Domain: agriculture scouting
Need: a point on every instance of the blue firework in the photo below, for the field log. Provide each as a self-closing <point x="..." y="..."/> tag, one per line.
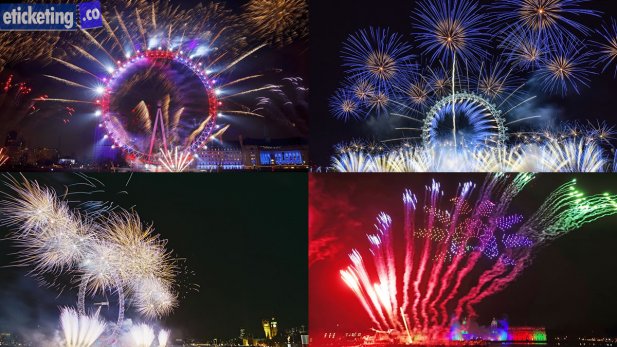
<point x="524" y="49"/>
<point x="344" y="105"/>
<point x="607" y="46"/>
<point x="495" y="80"/>
<point x="566" y="68"/>
<point x="362" y="89"/>
<point x="451" y="27"/>
<point x="440" y="81"/>
<point x="416" y="93"/>
<point x="549" y="19"/>
<point x="379" y="57"/>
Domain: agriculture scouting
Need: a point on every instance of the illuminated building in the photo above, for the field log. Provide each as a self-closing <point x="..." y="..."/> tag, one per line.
<point x="526" y="334"/>
<point x="273" y="327"/>
<point x="461" y="334"/>
<point x="252" y="154"/>
<point x="274" y="153"/>
<point x="267" y="331"/>
<point x="218" y="157"/>
<point x="270" y="328"/>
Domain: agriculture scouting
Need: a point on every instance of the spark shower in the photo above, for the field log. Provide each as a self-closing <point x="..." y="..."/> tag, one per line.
<point x="419" y="278"/>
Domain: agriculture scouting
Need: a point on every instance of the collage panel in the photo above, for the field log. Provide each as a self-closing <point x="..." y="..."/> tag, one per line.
<point x="154" y="86"/>
<point x="150" y="260"/>
<point x="462" y="259"/>
<point x="463" y="85"/>
<point x="230" y="173"/>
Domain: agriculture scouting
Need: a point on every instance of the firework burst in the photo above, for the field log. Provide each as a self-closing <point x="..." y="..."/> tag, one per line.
<point x="457" y="252"/>
<point x="566" y="69"/>
<point x="544" y="18"/>
<point x="18" y="105"/>
<point x="112" y="253"/>
<point x="524" y="51"/>
<point x="608" y="46"/>
<point x="379" y="57"/>
<point x="278" y="22"/>
<point x="451" y="28"/>
<point x="52" y="238"/>
<point x="344" y="105"/>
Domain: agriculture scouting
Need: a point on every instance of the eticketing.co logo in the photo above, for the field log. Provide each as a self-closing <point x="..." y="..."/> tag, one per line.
<point x="50" y="16"/>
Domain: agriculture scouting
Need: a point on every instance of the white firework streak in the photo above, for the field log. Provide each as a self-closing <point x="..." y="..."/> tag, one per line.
<point x="80" y="330"/>
<point x="115" y="253"/>
<point x="154" y="297"/>
<point x="3" y="157"/>
<point x="553" y="155"/>
<point x="52" y="237"/>
<point x="163" y="338"/>
<point x="174" y="162"/>
<point x="143" y="335"/>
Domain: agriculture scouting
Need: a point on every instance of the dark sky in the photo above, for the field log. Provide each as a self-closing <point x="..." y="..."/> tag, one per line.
<point x="569" y="286"/>
<point x="333" y="21"/>
<point x="244" y="236"/>
<point x="79" y="136"/>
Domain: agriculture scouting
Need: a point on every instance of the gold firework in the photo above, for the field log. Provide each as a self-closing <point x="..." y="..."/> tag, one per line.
<point x="381" y="65"/>
<point x="278" y="22"/>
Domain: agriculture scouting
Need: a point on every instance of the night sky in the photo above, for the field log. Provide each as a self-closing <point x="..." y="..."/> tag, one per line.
<point x="77" y="134"/>
<point x="244" y="236"/>
<point x="333" y="21"/>
<point x="569" y="286"/>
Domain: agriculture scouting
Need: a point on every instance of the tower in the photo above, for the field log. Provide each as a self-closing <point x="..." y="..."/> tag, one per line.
<point x="267" y="331"/>
<point x="273" y="327"/>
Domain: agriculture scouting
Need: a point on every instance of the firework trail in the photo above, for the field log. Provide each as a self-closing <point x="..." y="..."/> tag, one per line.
<point x="80" y="330"/>
<point x="20" y="46"/>
<point x="143" y="335"/>
<point x="549" y="153"/>
<point x="278" y="22"/>
<point x="458" y="251"/>
<point x="163" y="337"/>
<point x="287" y="105"/>
<point x="608" y="46"/>
<point x="18" y="105"/>
<point x="174" y="162"/>
<point x="3" y="157"/>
